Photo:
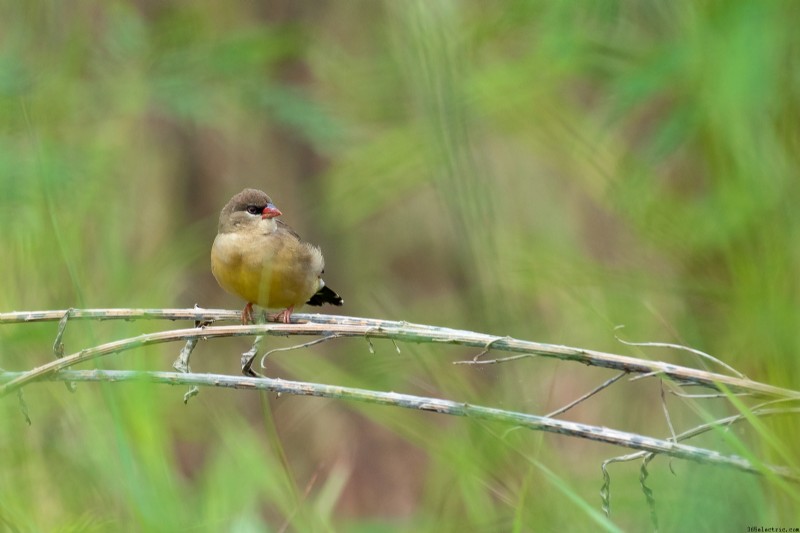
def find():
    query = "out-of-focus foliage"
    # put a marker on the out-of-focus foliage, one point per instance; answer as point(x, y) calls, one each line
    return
point(542, 169)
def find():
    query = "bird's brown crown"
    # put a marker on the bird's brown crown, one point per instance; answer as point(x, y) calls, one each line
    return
point(248, 197)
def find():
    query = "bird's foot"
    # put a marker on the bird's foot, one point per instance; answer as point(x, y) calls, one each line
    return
point(247, 314)
point(284, 316)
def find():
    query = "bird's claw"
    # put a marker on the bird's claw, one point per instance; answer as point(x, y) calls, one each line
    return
point(284, 316)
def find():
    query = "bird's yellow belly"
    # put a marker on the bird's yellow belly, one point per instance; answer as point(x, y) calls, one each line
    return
point(269, 281)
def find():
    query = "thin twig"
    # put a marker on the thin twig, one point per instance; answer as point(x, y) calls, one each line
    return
point(666, 414)
point(588, 395)
point(181, 364)
point(648, 492)
point(369, 341)
point(681, 347)
point(296, 346)
point(537, 423)
point(508, 359)
point(673, 438)
point(646, 375)
point(707, 396)
point(249, 356)
point(23, 407)
point(486, 348)
point(605, 489)
point(702, 428)
point(762, 405)
point(58, 344)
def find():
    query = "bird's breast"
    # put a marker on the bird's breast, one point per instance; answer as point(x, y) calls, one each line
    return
point(268, 270)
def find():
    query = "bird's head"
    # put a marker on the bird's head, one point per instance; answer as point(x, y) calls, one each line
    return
point(247, 208)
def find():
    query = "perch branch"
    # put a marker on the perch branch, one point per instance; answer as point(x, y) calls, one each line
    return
point(538, 423)
point(308, 324)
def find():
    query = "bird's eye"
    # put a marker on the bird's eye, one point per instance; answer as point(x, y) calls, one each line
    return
point(253, 209)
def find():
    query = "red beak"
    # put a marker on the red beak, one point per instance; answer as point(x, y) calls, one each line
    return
point(270, 211)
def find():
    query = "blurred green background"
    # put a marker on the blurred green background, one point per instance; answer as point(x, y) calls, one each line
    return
point(541, 169)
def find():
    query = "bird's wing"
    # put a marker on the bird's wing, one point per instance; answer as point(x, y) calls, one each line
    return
point(283, 226)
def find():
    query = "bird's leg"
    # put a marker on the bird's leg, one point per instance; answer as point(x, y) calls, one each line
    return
point(247, 314)
point(285, 315)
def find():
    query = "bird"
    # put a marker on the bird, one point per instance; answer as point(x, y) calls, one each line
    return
point(264, 261)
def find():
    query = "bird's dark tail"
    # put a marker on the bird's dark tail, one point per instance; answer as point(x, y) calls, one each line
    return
point(325, 296)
